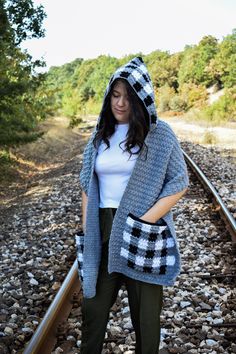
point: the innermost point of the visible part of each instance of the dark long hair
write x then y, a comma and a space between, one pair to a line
139, 122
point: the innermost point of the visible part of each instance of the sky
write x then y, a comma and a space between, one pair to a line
89, 28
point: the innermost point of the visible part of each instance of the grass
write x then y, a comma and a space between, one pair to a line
209, 138
200, 117
5, 158
7, 166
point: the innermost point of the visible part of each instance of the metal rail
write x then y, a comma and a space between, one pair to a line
45, 337
221, 207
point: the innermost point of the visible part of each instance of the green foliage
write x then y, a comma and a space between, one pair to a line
190, 95
156, 63
6, 165
59, 81
222, 67
224, 109
195, 61
221, 111
25, 19
5, 158
75, 121
93, 76
164, 96
193, 95
71, 102
178, 104
21, 101
85, 85
92, 107
163, 68
173, 66
180, 80
105, 67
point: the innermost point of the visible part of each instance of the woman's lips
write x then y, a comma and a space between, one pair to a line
119, 111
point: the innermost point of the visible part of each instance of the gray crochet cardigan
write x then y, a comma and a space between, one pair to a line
143, 251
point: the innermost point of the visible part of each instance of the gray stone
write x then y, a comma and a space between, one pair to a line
8, 331
184, 304
34, 281
78, 343
27, 330
115, 330
169, 314
218, 320
126, 311
128, 325
211, 342
205, 306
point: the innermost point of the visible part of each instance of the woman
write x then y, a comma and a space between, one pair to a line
133, 173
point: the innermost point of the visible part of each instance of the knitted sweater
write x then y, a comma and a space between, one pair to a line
140, 250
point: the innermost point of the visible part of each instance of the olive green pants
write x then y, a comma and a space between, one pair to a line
145, 301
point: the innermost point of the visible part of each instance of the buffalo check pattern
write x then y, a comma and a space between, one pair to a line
79, 241
136, 73
148, 247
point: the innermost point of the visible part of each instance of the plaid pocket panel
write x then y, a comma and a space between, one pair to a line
79, 240
147, 247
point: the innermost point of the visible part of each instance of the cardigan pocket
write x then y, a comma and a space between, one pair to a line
148, 247
79, 240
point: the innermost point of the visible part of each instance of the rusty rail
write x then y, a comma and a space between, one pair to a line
45, 337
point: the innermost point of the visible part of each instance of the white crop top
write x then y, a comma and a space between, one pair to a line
113, 167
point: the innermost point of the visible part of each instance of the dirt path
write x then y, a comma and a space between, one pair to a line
223, 136
42, 159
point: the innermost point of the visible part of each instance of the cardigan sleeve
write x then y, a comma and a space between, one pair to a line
176, 178
86, 166
83, 178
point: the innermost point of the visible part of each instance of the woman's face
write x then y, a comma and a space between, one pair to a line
120, 104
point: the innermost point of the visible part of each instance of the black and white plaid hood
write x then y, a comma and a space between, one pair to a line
136, 73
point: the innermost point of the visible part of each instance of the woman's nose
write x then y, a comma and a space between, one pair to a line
121, 101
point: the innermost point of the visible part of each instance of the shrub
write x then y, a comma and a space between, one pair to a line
92, 107
178, 104
164, 96
209, 137
75, 121
224, 109
5, 157
193, 95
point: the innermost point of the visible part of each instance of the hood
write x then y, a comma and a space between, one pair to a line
135, 72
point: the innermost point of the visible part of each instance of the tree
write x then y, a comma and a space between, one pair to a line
157, 66
195, 60
19, 20
222, 67
25, 19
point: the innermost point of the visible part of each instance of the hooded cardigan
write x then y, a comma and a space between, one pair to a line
140, 250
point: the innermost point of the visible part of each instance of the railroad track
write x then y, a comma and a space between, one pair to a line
52, 328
